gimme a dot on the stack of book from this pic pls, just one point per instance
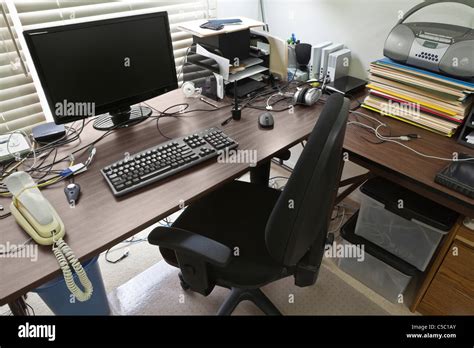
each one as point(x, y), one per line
point(422, 98)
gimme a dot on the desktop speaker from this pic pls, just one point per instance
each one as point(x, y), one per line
point(303, 55)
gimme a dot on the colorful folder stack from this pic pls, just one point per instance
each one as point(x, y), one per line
point(422, 98)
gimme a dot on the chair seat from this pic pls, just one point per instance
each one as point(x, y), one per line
point(235, 215)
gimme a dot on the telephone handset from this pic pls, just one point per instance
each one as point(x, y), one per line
point(39, 219)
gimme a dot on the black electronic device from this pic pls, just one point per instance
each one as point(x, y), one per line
point(236, 110)
point(212, 26)
point(218, 24)
point(266, 121)
point(444, 46)
point(166, 159)
point(466, 131)
point(48, 132)
point(104, 67)
point(346, 85)
point(303, 55)
point(233, 46)
point(72, 192)
point(246, 87)
point(459, 176)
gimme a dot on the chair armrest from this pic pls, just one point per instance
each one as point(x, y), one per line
point(283, 155)
point(192, 244)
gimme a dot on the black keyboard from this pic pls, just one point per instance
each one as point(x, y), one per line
point(164, 160)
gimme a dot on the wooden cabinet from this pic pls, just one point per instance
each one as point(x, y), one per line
point(451, 291)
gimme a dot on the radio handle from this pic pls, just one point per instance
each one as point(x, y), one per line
point(427, 3)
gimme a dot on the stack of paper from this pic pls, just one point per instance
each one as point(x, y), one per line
point(419, 97)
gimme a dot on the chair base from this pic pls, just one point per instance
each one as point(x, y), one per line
point(238, 295)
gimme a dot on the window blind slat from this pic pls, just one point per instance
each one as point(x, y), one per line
point(4, 33)
point(7, 71)
point(7, 45)
point(18, 102)
point(182, 44)
point(60, 16)
point(7, 116)
point(16, 80)
point(25, 123)
point(180, 35)
point(8, 57)
point(17, 91)
point(40, 5)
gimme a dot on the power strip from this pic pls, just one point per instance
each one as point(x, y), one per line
point(13, 145)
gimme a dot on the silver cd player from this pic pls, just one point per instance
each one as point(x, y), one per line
point(444, 48)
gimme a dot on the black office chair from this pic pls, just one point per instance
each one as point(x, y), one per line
point(244, 236)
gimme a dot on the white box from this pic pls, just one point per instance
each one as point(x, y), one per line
point(316, 52)
point(13, 144)
point(325, 58)
point(338, 65)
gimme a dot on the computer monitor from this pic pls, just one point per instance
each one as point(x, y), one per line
point(104, 67)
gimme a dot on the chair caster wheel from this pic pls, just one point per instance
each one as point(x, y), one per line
point(185, 286)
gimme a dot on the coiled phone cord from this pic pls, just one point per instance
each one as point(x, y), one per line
point(66, 258)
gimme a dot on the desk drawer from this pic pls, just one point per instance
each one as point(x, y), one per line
point(452, 289)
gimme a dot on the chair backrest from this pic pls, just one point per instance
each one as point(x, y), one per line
point(300, 218)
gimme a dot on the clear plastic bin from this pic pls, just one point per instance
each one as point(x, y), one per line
point(401, 222)
point(384, 273)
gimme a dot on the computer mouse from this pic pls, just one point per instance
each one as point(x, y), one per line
point(266, 120)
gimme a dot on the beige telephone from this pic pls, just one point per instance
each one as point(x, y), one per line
point(39, 219)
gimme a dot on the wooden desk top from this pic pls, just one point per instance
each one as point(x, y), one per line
point(100, 221)
point(407, 168)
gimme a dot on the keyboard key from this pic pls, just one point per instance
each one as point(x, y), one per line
point(161, 171)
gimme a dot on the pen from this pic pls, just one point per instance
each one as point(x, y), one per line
point(208, 103)
point(226, 121)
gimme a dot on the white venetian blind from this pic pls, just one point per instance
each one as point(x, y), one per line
point(20, 108)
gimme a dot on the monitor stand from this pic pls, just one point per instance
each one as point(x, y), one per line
point(122, 118)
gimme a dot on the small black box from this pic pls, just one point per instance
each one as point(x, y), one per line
point(231, 45)
point(48, 132)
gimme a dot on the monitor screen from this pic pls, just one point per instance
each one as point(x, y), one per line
point(103, 66)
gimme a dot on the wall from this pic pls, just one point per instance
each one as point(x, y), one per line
point(363, 25)
point(244, 8)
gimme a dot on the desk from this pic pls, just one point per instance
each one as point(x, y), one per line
point(100, 221)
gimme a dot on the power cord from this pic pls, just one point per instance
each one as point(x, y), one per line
point(377, 133)
point(66, 259)
point(165, 222)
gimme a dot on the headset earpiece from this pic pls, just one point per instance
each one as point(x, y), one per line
point(307, 96)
